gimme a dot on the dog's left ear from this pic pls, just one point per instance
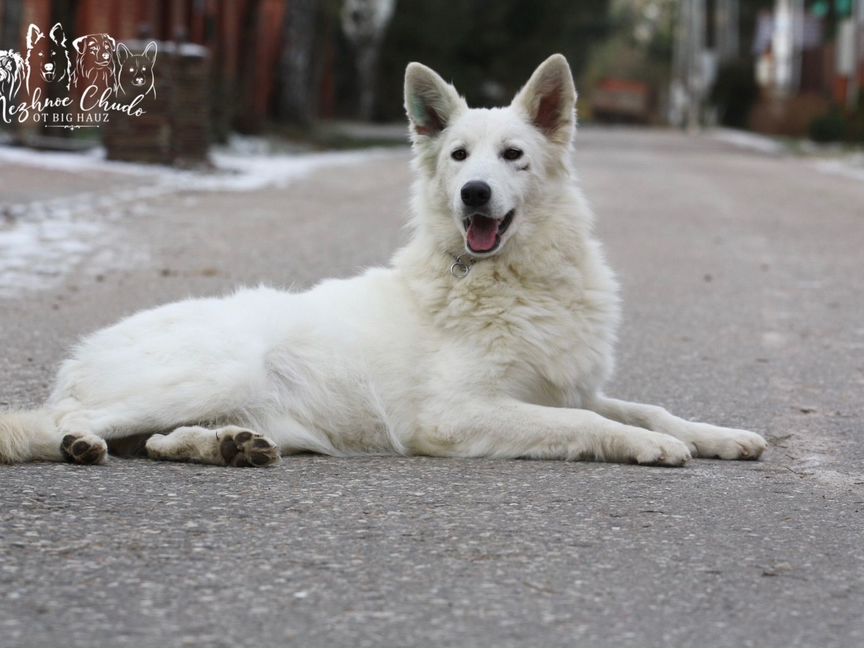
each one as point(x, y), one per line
point(548, 100)
point(57, 34)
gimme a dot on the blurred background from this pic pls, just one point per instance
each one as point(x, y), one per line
point(722, 152)
point(325, 72)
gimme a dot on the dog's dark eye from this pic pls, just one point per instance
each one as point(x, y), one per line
point(512, 153)
point(459, 154)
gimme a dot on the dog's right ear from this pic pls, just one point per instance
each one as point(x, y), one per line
point(33, 34)
point(123, 53)
point(431, 102)
point(78, 44)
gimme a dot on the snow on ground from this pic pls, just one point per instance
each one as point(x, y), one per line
point(234, 171)
point(851, 166)
point(747, 140)
point(42, 240)
point(824, 158)
point(38, 252)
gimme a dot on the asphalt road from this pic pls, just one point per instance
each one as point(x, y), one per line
point(743, 306)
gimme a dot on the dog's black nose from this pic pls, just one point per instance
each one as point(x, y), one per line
point(476, 193)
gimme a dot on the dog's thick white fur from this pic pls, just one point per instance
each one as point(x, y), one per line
point(506, 361)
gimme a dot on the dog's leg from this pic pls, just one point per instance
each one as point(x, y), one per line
point(46, 435)
point(31, 436)
point(703, 439)
point(224, 446)
point(513, 429)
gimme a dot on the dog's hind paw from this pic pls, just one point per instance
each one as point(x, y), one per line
point(84, 448)
point(243, 448)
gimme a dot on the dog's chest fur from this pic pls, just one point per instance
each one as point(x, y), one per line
point(542, 332)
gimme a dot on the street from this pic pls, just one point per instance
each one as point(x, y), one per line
point(741, 274)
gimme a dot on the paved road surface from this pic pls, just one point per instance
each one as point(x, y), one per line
point(742, 283)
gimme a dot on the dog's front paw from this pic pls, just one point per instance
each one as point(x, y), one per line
point(244, 448)
point(84, 448)
point(712, 442)
point(655, 449)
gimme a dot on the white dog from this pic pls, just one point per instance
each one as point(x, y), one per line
point(490, 335)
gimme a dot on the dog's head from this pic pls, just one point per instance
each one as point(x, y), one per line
point(10, 69)
point(47, 56)
point(486, 171)
point(95, 50)
point(135, 71)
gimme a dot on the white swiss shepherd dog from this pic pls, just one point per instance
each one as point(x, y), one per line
point(491, 333)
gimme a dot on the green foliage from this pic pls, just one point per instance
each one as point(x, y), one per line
point(834, 126)
point(488, 48)
point(840, 125)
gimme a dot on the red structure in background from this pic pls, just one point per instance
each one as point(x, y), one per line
point(622, 100)
point(243, 37)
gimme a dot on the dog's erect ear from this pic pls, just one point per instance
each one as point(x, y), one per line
point(150, 52)
point(78, 44)
point(57, 34)
point(33, 34)
point(548, 100)
point(431, 102)
point(123, 53)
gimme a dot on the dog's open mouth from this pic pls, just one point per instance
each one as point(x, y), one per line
point(48, 75)
point(484, 232)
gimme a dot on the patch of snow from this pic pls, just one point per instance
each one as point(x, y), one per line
point(54, 160)
point(234, 171)
point(38, 252)
point(257, 172)
point(43, 240)
point(827, 159)
point(851, 167)
point(747, 140)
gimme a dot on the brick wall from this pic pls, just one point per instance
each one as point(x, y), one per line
point(174, 130)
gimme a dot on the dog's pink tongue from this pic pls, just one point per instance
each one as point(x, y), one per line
point(482, 233)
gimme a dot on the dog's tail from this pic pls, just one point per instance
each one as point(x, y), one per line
point(28, 435)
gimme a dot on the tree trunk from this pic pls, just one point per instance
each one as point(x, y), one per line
point(296, 97)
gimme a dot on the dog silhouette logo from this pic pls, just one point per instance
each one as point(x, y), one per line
point(47, 57)
point(75, 81)
point(95, 63)
point(135, 71)
point(11, 73)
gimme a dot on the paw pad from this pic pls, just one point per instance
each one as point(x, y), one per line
point(81, 449)
point(243, 448)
